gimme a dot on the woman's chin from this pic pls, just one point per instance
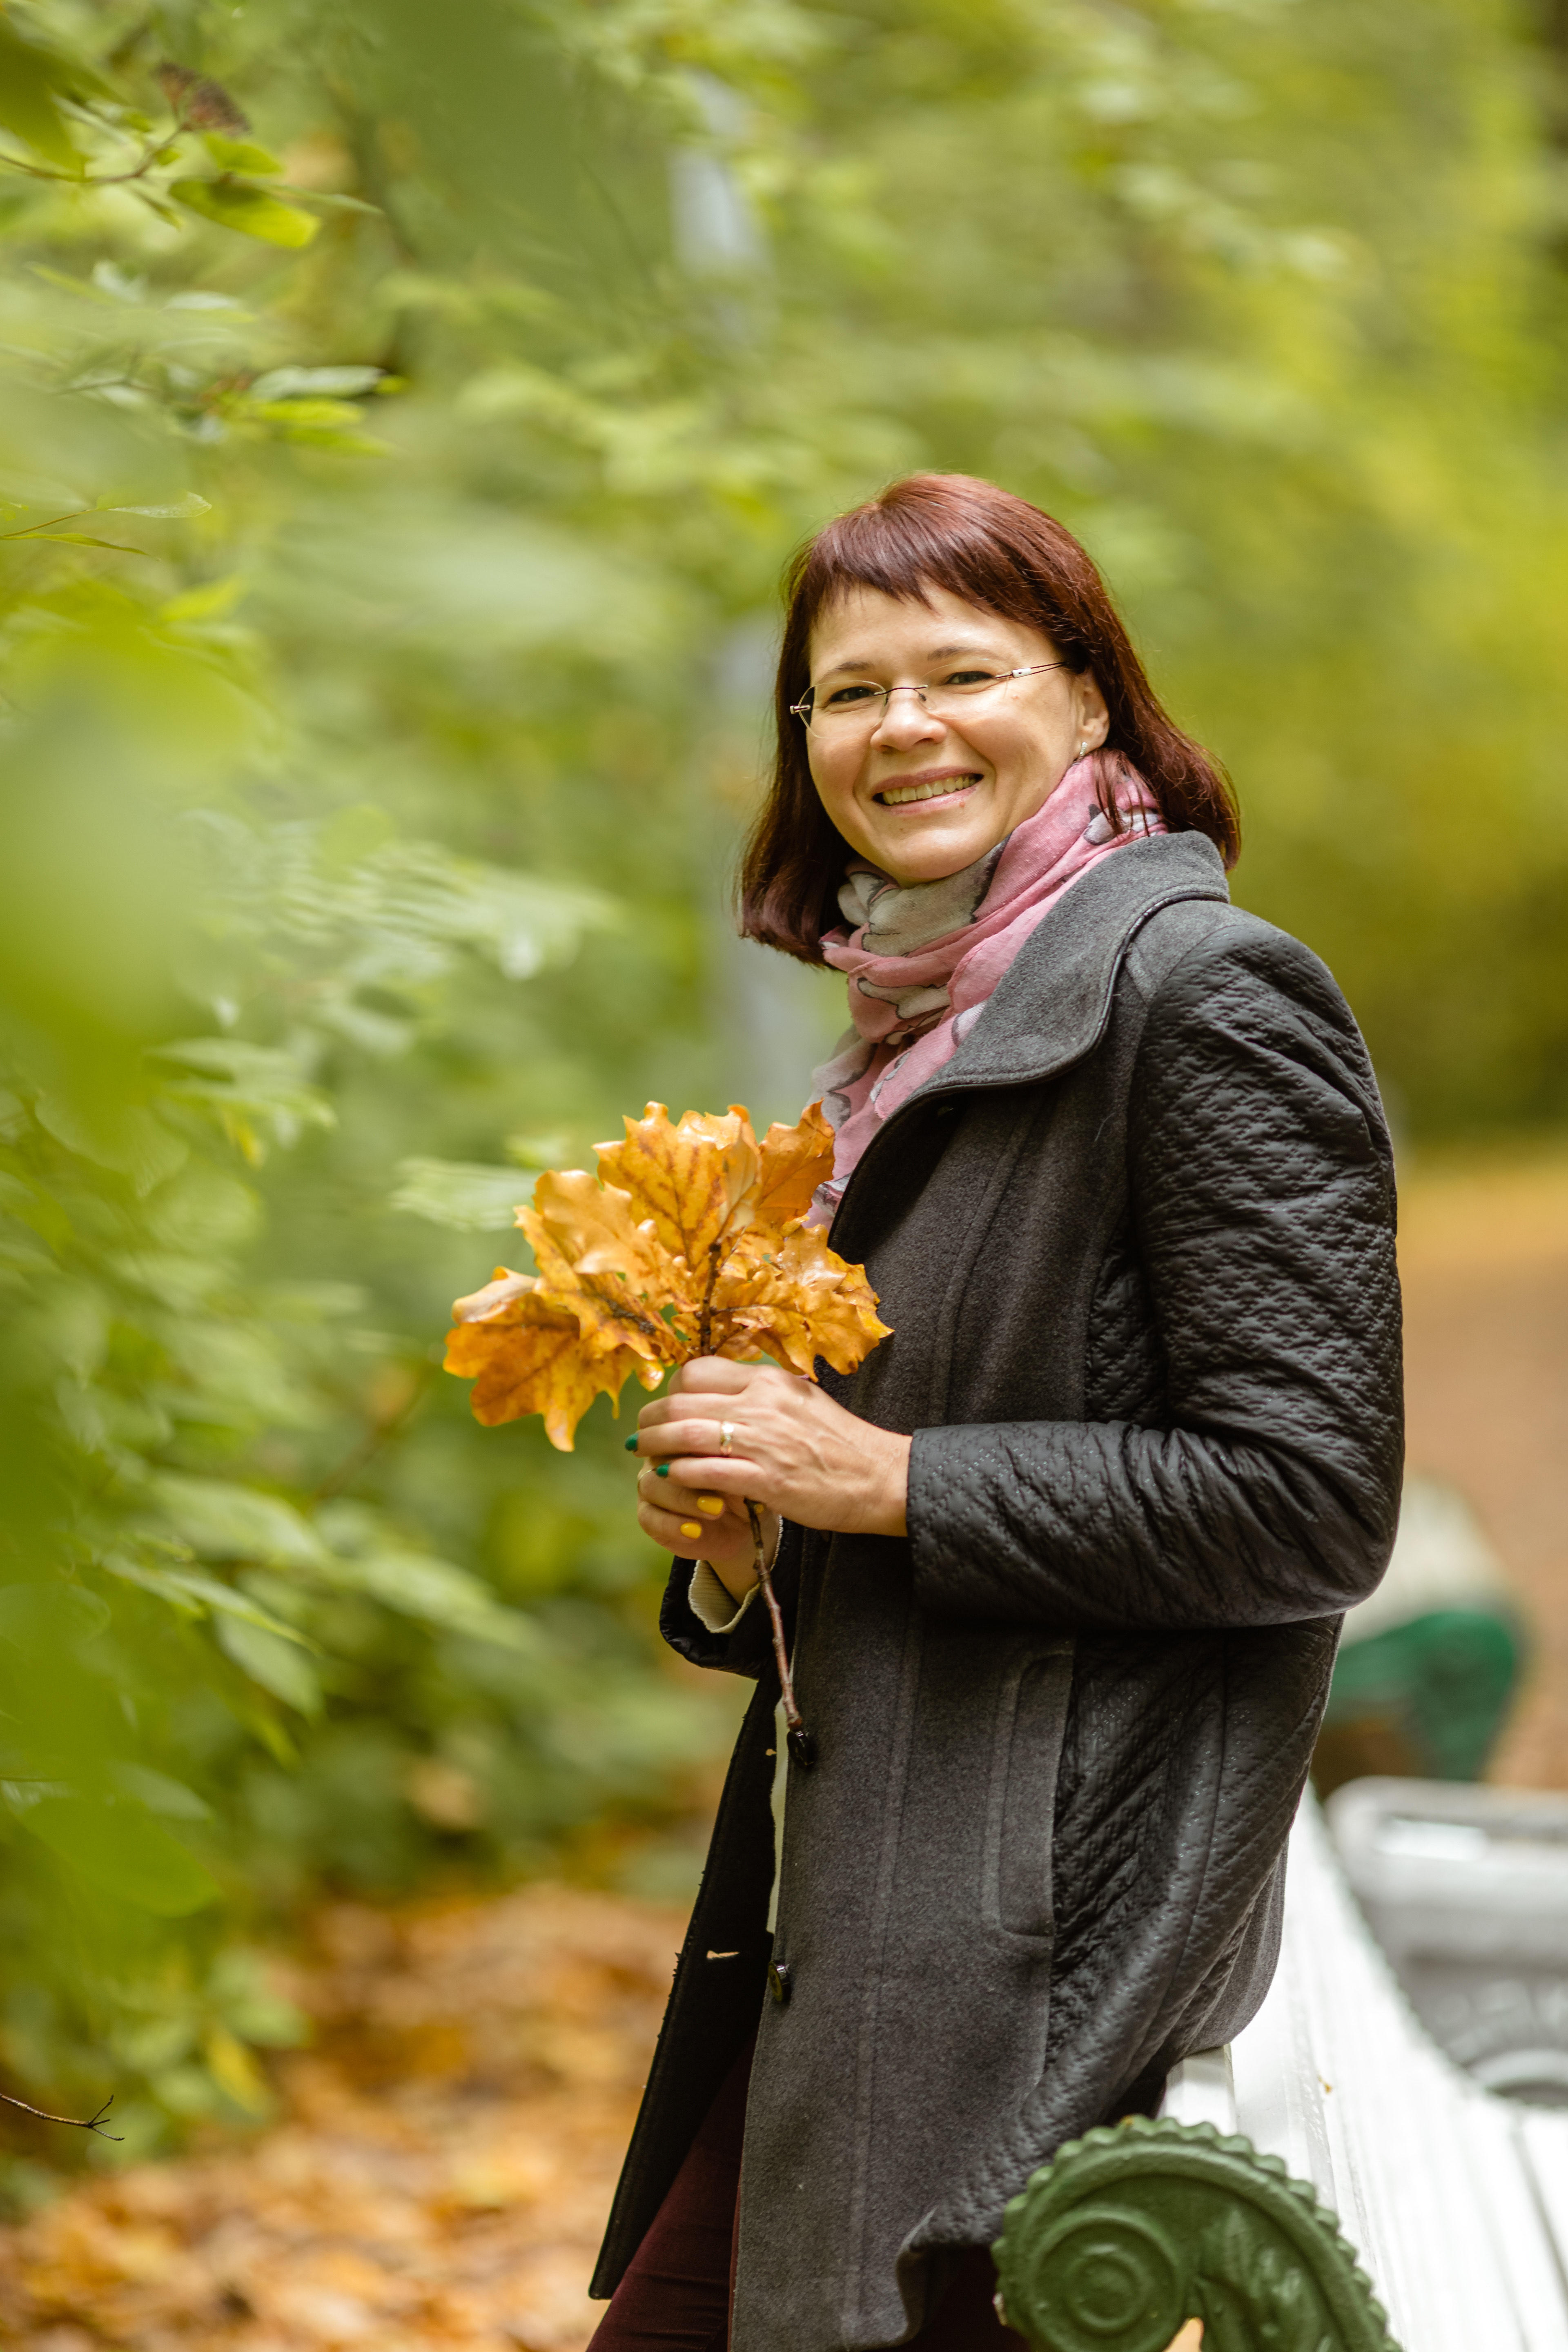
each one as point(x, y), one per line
point(930, 857)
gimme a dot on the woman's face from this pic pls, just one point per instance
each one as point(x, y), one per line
point(922, 796)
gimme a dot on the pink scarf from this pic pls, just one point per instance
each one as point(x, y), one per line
point(923, 960)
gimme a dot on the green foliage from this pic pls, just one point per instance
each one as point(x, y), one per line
point(407, 412)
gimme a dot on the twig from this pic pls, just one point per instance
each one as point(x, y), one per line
point(72, 2122)
point(802, 1745)
point(716, 1256)
point(157, 151)
point(77, 514)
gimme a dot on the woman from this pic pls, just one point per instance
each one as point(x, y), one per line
point(1064, 1564)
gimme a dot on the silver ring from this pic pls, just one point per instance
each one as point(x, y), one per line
point(726, 1435)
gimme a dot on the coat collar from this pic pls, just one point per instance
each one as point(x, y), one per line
point(1051, 1005)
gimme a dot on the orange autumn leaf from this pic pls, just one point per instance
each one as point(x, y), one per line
point(690, 1178)
point(794, 1162)
point(525, 1355)
point(596, 1263)
point(796, 1299)
point(689, 1242)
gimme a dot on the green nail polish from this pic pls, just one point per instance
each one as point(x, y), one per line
point(631, 1446)
point(661, 1469)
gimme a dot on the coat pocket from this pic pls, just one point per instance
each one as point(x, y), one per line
point(1031, 1719)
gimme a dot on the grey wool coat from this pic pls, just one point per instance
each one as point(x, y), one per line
point(1136, 1244)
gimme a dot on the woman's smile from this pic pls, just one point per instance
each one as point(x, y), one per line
point(947, 784)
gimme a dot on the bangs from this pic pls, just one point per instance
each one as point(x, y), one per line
point(937, 537)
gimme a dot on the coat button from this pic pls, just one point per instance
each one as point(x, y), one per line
point(779, 1981)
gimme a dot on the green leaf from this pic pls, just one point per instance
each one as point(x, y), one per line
point(224, 1521)
point(159, 1793)
point(181, 511)
point(241, 155)
point(30, 79)
point(33, 1208)
point(317, 415)
point(277, 1664)
point(308, 382)
point(214, 601)
point(254, 212)
point(122, 1136)
point(121, 1849)
point(248, 1082)
point(438, 1593)
point(78, 539)
point(193, 1594)
point(472, 1197)
point(333, 200)
point(524, 923)
point(41, 1617)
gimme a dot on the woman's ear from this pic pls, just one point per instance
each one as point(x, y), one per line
point(1091, 715)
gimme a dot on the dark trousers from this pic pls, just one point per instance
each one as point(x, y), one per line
point(676, 2292)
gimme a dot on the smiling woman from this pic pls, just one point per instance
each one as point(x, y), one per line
point(1063, 1562)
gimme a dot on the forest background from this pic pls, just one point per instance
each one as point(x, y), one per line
point(406, 413)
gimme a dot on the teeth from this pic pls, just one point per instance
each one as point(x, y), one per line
point(899, 793)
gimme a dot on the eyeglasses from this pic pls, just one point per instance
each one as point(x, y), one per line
point(857, 704)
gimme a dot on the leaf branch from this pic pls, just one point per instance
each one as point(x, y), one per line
point(702, 1224)
point(72, 2123)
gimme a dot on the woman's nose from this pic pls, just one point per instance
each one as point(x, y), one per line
point(905, 720)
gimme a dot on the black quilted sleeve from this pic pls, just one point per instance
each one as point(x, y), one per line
point(1262, 1211)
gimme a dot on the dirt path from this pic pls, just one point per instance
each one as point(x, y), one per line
point(439, 2183)
point(1484, 1254)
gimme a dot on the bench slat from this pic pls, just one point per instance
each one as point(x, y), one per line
point(1456, 2200)
point(1496, 2163)
point(1543, 2140)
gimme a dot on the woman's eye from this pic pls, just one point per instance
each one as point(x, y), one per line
point(971, 677)
point(845, 697)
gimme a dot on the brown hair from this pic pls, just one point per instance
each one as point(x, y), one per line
point(952, 531)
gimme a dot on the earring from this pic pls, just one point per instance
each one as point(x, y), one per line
point(1079, 752)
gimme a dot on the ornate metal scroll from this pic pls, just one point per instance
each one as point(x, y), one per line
point(1132, 2232)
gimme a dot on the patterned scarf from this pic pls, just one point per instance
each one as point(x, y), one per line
point(923, 960)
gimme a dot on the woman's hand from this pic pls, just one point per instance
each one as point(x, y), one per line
point(792, 1451)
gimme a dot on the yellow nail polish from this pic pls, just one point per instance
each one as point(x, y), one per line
point(689, 1528)
point(712, 1504)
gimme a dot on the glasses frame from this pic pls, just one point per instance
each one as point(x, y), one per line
point(803, 709)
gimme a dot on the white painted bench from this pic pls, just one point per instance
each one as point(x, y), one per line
point(1456, 2200)
point(1453, 2199)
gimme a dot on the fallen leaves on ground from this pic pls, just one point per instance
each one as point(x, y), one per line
point(691, 1241)
point(439, 2179)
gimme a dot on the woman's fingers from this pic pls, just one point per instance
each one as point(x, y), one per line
point(687, 1498)
point(688, 1435)
point(686, 1493)
point(681, 1530)
point(713, 1376)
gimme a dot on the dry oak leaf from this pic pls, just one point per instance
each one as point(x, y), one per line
point(524, 1356)
point(797, 1300)
point(689, 1179)
point(596, 1262)
point(691, 1241)
point(707, 1180)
